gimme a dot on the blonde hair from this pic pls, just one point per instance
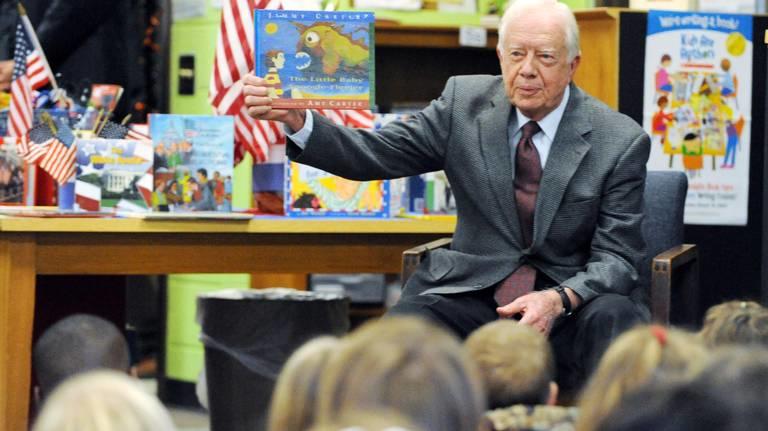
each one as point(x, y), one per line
point(368, 420)
point(635, 358)
point(515, 362)
point(295, 394)
point(102, 401)
point(407, 365)
point(735, 322)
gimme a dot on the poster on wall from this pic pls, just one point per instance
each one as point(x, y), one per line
point(697, 108)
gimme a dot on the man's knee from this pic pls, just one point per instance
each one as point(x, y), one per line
point(617, 312)
point(413, 304)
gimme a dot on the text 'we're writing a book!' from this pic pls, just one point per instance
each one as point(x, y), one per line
point(316, 60)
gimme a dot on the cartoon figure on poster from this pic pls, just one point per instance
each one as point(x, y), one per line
point(663, 84)
point(661, 120)
point(695, 107)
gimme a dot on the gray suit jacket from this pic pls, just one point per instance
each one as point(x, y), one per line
point(589, 207)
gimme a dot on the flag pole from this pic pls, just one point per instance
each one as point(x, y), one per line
point(33, 37)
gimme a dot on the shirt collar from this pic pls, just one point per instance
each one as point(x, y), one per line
point(549, 123)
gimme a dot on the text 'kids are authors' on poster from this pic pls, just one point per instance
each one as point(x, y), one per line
point(318, 60)
point(697, 108)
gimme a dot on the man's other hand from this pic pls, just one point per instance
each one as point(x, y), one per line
point(259, 104)
point(6, 71)
point(538, 310)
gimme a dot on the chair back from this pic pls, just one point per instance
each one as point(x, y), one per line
point(662, 226)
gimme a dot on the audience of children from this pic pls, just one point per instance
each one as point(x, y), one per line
point(405, 374)
point(635, 358)
point(368, 420)
point(295, 394)
point(728, 395)
point(736, 322)
point(82, 368)
point(517, 368)
point(102, 401)
point(75, 344)
point(404, 364)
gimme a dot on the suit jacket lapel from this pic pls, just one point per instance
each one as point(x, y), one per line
point(494, 144)
point(568, 149)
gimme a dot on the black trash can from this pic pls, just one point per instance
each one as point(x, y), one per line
point(248, 335)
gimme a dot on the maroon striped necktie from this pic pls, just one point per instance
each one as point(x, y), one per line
point(527, 177)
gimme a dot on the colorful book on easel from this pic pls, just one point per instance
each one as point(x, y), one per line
point(113, 174)
point(194, 159)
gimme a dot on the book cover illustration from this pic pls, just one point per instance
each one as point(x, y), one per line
point(113, 174)
point(102, 101)
point(314, 59)
point(105, 96)
point(311, 192)
point(12, 168)
point(194, 159)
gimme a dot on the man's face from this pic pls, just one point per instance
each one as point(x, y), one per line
point(534, 63)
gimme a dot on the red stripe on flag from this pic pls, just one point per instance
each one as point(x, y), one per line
point(38, 76)
point(20, 109)
point(59, 161)
point(36, 151)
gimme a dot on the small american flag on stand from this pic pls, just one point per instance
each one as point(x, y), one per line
point(40, 138)
point(59, 159)
point(112, 130)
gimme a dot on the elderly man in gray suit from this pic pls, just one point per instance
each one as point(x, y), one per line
point(548, 184)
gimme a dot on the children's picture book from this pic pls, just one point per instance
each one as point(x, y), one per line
point(101, 103)
point(113, 174)
point(194, 159)
point(268, 182)
point(12, 173)
point(433, 196)
point(105, 96)
point(316, 59)
point(311, 192)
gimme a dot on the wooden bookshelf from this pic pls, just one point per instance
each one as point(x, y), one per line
point(413, 62)
point(390, 34)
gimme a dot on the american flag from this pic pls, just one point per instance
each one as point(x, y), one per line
point(40, 137)
point(30, 72)
point(234, 59)
point(112, 130)
point(54, 153)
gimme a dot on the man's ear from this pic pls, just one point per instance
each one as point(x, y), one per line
point(553, 392)
point(575, 65)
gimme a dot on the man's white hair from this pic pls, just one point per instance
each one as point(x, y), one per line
point(517, 8)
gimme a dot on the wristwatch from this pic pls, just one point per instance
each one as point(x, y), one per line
point(567, 307)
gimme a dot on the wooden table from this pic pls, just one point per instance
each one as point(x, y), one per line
point(32, 246)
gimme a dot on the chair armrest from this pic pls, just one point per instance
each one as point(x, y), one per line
point(679, 266)
point(413, 256)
